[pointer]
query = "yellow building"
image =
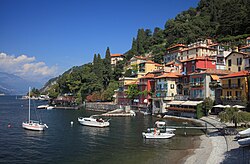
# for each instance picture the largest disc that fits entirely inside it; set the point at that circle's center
(148, 66)
(235, 88)
(235, 61)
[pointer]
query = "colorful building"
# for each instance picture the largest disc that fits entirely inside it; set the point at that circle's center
(115, 58)
(165, 90)
(120, 94)
(173, 53)
(206, 83)
(148, 66)
(191, 66)
(235, 88)
(235, 61)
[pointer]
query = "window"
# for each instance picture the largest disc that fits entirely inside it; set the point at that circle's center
(238, 82)
(229, 63)
(193, 68)
(239, 69)
(229, 83)
(172, 86)
(239, 61)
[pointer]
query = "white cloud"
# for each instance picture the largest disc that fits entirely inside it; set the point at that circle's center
(26, 67)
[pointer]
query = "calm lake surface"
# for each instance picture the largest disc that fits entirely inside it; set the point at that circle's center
(122, 142)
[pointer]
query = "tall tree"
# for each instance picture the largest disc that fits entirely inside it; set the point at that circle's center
(107, 75)
(140, 41)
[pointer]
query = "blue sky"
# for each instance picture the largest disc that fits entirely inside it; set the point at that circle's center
(59, 34)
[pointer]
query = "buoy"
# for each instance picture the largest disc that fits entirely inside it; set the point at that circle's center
(71, 123)
(9, 125)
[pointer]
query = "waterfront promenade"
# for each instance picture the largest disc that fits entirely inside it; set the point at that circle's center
(216, 148)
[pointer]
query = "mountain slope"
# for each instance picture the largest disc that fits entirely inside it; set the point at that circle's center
(12, 84)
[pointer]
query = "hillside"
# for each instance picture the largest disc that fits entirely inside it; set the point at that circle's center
(226, 21)
(215, 19)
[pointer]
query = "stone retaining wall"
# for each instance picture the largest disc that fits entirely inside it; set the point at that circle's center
(101, 106)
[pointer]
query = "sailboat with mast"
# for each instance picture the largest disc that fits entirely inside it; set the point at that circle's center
(31, 124)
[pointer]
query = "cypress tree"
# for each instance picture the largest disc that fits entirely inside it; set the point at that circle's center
(140, 41)
(107, 74)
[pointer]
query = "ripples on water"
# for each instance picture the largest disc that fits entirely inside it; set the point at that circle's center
(62, 143)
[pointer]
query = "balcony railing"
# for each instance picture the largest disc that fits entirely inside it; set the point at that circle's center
(232, 86)
(181, 97)
(196, 84)
(214, 84)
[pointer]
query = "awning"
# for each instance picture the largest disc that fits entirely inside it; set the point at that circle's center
(191, 103)
(215, 77)
(175, 102)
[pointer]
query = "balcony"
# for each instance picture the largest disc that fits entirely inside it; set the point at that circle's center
(232, 86)
(214, 84)
(181, 97)
(196, 84)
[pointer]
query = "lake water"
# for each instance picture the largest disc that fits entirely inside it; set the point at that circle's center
(122, 142)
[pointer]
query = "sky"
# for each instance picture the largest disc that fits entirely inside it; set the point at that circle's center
(40, 39)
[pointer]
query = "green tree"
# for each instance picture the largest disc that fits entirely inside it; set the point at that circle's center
(141, 41)
(132, 91)
(208, 105)
(108, 73)
(231, 115)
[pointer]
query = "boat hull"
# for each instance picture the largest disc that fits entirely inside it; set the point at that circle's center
(34, 126)
(157, 136)
(244, 141)
(93, 122)
(245, 133)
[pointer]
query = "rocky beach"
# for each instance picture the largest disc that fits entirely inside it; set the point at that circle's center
(216, 148)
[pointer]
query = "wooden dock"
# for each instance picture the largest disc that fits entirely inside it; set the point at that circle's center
(192, 127)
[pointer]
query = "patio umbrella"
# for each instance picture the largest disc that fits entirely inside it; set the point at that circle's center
(239, 106)
(227, 106)
(219, 106)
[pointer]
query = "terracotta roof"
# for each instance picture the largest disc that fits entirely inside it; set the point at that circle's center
(236, 74)
(248, 37)
(116, 55)
(214, 44)
(148, 76)
(203, 47)
(176, 45)
(151, 62)
(213, 71)
(247, 46)
(141, 57)
(169, 75)
(198, 58)
(241, 53)
(170, 63)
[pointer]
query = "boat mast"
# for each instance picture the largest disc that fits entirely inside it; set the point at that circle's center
(29, 104)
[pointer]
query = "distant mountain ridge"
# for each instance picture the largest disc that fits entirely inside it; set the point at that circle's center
(11, 84)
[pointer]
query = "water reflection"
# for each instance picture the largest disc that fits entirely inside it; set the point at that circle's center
(94, 131)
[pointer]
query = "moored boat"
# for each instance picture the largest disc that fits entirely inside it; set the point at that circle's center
(91, 121)
(244, 133)
(244, 141)
(33, 125)
(154, 133)
(159, 132)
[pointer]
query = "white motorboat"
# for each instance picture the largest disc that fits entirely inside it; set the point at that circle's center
(244, 133)
(244, 141)
(160, 131)
(33, 125)
(91, 121)
(45, 107)
(154, 133)
(42, 106)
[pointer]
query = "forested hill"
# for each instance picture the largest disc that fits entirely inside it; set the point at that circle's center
(217, 19)
(221, 20)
